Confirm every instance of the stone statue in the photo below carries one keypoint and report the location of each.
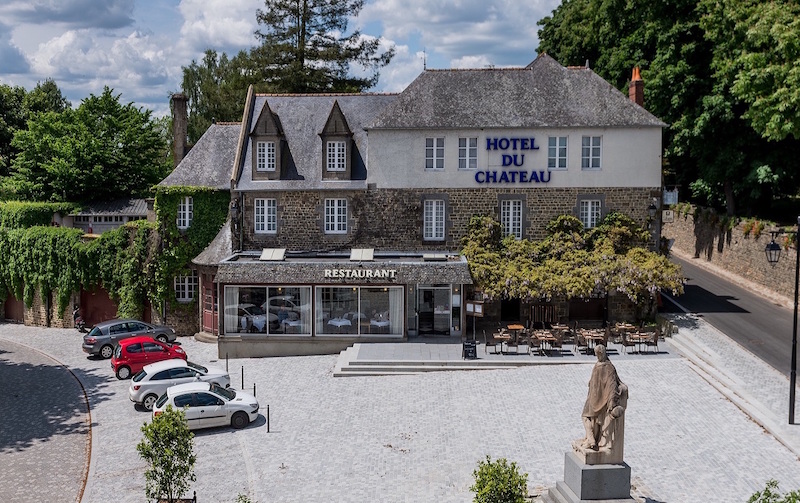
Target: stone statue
(603, 414)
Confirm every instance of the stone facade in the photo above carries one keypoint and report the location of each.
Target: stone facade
(733, 252)
(392, 218)
(44, 312)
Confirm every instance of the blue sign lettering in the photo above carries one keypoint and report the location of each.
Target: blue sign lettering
(511, 143)
(512, 176)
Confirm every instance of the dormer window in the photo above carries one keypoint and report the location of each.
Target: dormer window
(337, 156)
(337, 143)
(265, 146)
(265, 156)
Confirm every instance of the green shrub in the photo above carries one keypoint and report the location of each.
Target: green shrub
(499, 482)
(747, 227)
(168, 449)
(770, 494)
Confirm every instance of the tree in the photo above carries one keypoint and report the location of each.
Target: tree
(100, 151)
(499, 482)
(168, 449)
(684, 48)
(304, 48)
(45, 97)
(12, 119)
(770, 494)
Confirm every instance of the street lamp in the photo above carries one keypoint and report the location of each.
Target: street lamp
(773, 252)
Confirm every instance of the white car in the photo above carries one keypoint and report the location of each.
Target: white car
(154, 379)
(208, 405)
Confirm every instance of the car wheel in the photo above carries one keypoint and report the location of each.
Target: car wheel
(162, 338)
(149, 401)
(123, 373)
(240, 420)
(106, 351)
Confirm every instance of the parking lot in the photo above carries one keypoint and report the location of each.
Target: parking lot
(418, 438)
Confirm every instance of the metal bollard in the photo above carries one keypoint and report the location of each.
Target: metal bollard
(226, 362)
(267, 418)
(242, 376)
(254, 389)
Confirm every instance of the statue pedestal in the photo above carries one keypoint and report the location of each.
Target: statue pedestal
(599, 483)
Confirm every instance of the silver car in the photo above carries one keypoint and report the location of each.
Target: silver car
(102, 338)
(154, 379)
(208, 405)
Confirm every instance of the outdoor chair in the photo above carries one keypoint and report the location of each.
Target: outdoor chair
(581, 343)
(558, 343)
(489, 341)
(626, 342)
(653, 340)
(534, 344)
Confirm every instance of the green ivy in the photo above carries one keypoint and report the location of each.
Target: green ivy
(21, 214)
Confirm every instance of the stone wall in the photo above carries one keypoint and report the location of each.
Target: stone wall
(391, 219)
(732, 253)
(184, 319)
(44, 311)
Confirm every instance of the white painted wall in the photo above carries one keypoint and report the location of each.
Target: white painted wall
(631, 157)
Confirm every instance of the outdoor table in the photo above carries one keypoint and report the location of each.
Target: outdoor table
(546, 337)
(639, 338)
(515, 329)
(592, 337)
(503, 338)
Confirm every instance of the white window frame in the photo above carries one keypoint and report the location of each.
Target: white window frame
(336, 216)
(265, 215)
(467, 153)
(433, 220)
(590, 212)
(186, 287)
(511, 217)
(591, 152)
(556, 152)
(434, 153)
(336, 159)
(185, 212)
(265, 156)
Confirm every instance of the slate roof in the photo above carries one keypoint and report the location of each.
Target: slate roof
(220, 248)
(303, 118)
(543, 94)
(124, 207)
(210, 161)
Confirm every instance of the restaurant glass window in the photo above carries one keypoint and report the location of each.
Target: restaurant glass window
(368, 311)
(467, 153)
(289, 310)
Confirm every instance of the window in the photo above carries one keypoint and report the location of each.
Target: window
(590, 212)
(336, 216)
(590, 152)
(557, 152)
(336, 156)
(467, 153)
(433, 224)
(434, 153)
(185, 287)
(184, 213)
(266, 216)
(265, 156)
(511, 217)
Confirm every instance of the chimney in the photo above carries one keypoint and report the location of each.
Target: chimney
(636, 88)
(179, 127)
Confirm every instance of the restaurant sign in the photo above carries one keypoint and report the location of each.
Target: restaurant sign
(361, 273)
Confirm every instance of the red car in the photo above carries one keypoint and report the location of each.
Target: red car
(133, 353)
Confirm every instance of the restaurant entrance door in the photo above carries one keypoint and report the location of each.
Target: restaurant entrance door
(433, 306)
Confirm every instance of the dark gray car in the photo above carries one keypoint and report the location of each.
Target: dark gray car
(102, 338)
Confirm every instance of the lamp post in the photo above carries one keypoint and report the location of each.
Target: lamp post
(773, 252)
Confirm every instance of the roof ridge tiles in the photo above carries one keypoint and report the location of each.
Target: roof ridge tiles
(324, 95)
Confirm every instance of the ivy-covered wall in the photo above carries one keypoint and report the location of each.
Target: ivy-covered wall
(134, 263)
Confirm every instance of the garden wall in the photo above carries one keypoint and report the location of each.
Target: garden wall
(704, 239)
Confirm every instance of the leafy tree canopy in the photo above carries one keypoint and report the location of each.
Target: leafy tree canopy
(100, 151)
(168, 449)
(570, 262)
(722, 74)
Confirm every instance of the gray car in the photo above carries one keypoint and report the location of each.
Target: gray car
(102, 338)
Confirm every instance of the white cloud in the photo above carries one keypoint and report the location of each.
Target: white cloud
(222, 25)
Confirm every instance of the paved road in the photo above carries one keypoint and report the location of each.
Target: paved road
(757, 324)
(418, 438)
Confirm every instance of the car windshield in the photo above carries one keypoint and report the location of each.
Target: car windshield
(197, 367)
(139, 376)
(228, 394)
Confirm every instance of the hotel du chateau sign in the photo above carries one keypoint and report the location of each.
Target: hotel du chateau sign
(512, 155)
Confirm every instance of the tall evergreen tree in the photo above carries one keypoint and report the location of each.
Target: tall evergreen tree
(304, 48)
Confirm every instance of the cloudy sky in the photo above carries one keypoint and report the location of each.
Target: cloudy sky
(138, 47)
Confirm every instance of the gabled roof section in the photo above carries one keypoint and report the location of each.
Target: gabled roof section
(543, 94)
(267, 123)
(220, 248)
(210, 161)
(337, 122)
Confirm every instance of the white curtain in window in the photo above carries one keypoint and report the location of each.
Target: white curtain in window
(305, 315)
(231, 310)
(396, 310)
